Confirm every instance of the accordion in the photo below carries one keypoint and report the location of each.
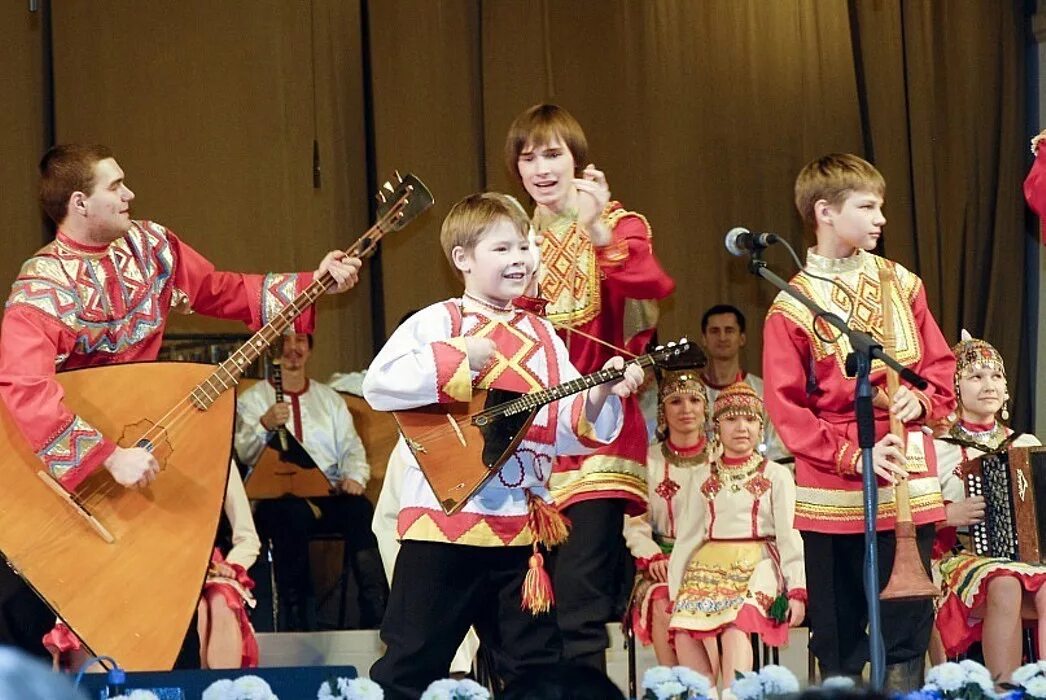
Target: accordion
(1012, 483)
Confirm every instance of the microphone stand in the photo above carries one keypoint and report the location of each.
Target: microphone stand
(859, 365)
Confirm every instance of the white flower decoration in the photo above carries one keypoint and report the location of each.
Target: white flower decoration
(360, 689)
(221, 689)
(669, 690)
(695, 683)
(656, 676)
(450, 689)
(253, 688)
(1026, 672)
(949, 676)
(778, 680)
(747, 687)
(838, 683)
(975, 670)
(1035, 686)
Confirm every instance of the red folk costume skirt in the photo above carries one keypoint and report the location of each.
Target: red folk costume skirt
(964, 579)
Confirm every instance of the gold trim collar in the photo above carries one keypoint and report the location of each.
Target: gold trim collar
(834, 266)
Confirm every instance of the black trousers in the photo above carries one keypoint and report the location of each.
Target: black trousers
(589, 578)
(837, 612)
(438, 591)
(290, 522)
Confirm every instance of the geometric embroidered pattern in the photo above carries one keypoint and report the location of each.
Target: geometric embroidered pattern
(514, 348)
(857, 295)
(464, 527)
(277, 291)
(569, 273)
(73, 288)
(70, 447)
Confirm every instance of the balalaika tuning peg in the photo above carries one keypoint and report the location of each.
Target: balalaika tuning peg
(389, 187)
(380, 196)
(672, 344)
(399, 178)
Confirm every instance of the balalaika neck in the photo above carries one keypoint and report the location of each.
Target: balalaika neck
(277, 381)
(537, 399)
(228, 373)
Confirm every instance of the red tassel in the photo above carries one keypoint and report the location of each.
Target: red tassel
(550, 527)
(537, 586)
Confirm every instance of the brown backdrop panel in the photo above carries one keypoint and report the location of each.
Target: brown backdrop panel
(21, 135)
(212, 110)
(699, 130)
(428, 119)
(968, 150)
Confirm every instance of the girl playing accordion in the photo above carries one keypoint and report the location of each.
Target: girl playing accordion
(983, 598)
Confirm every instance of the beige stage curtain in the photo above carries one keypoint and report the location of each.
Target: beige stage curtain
(21, 136)
(212, 110)
(702, 113)
(945, 122)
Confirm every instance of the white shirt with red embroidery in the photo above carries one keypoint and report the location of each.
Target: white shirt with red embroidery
(425, 362)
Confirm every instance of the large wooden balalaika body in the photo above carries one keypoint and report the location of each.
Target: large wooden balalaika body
(1013, 484)
(124, 567)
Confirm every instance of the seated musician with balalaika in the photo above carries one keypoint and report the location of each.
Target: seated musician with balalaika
(984, 598)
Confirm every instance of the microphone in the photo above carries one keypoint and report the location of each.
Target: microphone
(741, 241)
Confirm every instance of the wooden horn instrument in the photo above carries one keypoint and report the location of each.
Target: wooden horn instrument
(908, 579)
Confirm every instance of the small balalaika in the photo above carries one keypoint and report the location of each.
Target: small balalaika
(284, 467)
(1012, 482)
(459, 446)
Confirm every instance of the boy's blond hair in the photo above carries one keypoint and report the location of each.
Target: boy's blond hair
(470, 218)
(537, 127)
(833, 178)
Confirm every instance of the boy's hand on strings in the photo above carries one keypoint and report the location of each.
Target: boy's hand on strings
(905, 405)
(796, 612)
(888, 459)
(968, 511)
(344, 270)
(479, 350)
(593, 196)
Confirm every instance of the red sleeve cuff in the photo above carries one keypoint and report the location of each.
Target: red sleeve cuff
(846, 460)
(87, 466)
(643, 563)
(924, 401)
(613, 255)
(306, 321)
(798, 594)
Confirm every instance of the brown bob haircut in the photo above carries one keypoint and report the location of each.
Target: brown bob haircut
(66, 169)
(833, 178)
(537, 127)
(470, 218)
